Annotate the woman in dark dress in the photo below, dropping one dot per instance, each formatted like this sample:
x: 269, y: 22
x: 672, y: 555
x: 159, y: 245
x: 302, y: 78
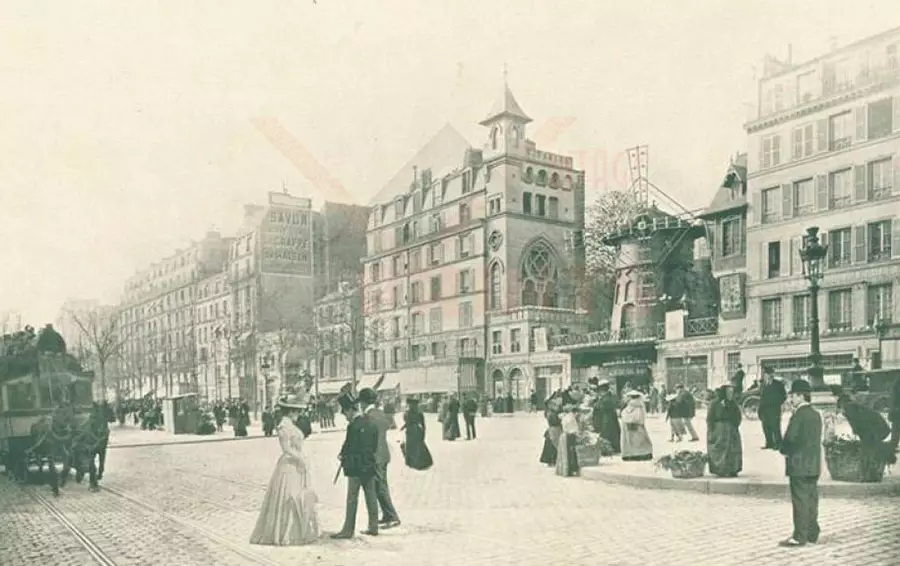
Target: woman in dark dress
x: 552, y: 434
x: 415, y: 451
x: 723, y: 435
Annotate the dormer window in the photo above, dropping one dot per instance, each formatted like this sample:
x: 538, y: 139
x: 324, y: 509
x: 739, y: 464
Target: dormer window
x: 399, y: 206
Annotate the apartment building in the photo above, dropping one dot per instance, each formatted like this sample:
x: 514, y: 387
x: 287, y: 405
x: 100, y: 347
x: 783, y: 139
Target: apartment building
x: 340, y: 322
x: 460, y: 238
x: 824, y: 151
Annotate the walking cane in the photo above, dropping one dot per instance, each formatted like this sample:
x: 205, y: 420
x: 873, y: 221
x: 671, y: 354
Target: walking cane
x: 337, y: 473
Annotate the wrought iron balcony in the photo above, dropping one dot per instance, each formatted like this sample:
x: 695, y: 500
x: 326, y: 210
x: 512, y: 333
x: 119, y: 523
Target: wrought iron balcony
x: 701, y: 326
x: 623, y: 335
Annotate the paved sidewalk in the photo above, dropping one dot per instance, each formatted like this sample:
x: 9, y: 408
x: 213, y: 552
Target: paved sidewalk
x: 130, y: 436
x: 763, y: 473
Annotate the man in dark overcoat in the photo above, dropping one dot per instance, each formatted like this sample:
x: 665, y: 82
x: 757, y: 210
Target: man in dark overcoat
x: 802, y: 449
x: 605, y: 416
x: 771, y: 397
x: 357, y: 458
x: 368, y: 401
x: 470, y: 409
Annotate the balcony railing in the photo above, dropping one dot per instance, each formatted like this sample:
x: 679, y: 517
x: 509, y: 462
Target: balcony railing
x: 701, y: 326
x: 624, y: 335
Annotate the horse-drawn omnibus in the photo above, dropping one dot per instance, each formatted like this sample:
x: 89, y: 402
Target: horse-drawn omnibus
x: 38, y: 391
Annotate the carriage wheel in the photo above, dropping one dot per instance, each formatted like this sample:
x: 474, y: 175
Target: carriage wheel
x: 750, y: 408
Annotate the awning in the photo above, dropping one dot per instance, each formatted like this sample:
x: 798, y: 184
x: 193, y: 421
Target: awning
x: 331, y: 387
x: 431, y: 379
x: 391, y: 382
x: 370, y: 381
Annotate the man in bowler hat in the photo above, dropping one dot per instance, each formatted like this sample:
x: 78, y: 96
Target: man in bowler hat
x: 802, y: 449
x: 368, y: 401
x: 358, y: 461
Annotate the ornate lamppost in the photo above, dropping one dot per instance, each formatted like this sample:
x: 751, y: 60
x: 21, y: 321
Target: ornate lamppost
x: 813, y: 255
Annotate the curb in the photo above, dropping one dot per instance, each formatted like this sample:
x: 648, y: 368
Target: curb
x: 203, y: 441
x: 761, y: 489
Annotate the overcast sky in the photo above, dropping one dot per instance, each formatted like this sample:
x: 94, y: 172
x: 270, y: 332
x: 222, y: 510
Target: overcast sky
x: 127, y: 128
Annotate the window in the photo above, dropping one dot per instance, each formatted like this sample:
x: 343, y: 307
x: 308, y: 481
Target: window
x: 771, y: 205
x: 771, y: 313
x: 465, y: 315
x: 880, y: 119
x: 839, y: 248
x: 465, y: 347
x: 496, y: 342
x: 496, y: 301
x: 395, y: 296
x: 494, y: 206
x: 526, y: 203
x: 399, y: 205
x: 804, y: 197
x: 553, y: 207
x: 541, y: 178
x: 891, y: 55
x: 436, y: 288
x: 395, y: 327
x: 843, y: 74
x: 805, y: 87
x: 731, y: 238
x: 879, y: 241
x: 840, y: 184
x: 802, y: 142
x: 438, y: 350
x: 376, y: 272
x: 418, y: 324
x: 434, y: 223
x: 770, y: 155
x: 415, y: 352
x: 515, y: 340
x: 879, y: 304
x: 397, y: 266
x: 396, y: 356
x: 801, y: 314
x: 541, y: 205
x: 839, y: 310
x: 528, y: 177
x: 774, y: 260
x: 880, y: 179
x: 466, y: 281
x: 464, y: 245
x: 415, y: 292
x: 415, y: 261
x: 435, y: 253
x: 435, y: 320
x: 466, y: 182
x: 554, y: 181
x: 840, y: 127
x: 539, y: 277
x: 464, y: 213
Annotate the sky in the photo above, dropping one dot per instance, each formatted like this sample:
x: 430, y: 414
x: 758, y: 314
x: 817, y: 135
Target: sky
x: 127, y: 129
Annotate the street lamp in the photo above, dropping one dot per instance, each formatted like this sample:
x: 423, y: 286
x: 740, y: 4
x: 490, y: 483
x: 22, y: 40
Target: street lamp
x: 813, y: 255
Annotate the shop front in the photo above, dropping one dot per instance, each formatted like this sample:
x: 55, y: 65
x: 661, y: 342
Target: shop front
x: 621, y: 361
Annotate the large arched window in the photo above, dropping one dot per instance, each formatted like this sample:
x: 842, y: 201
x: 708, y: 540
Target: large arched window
x: 529, y: 175
x: 628, y: 319
x: 495, y: 136
x: 627, y: 298
x: 496, y: 299
x: 539, y: 276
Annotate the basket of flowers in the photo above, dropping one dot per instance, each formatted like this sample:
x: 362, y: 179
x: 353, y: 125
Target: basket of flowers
x: 590, y: 447
x: 684, y: 464
x: 206, y: 424
x: 850, y: 460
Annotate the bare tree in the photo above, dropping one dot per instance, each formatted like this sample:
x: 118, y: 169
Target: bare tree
x: 103, y: 336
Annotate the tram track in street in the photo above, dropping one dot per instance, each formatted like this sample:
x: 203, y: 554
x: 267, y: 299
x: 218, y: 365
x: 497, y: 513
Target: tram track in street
x: 97, y: 553
x: 206, y: 533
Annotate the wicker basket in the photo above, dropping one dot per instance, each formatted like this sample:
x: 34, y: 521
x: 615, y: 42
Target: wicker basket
x: 864, y: 465
x: 587, y: 455
x: 693, y: 470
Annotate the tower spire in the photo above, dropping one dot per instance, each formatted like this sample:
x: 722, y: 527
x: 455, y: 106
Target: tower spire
x: 505, y: 75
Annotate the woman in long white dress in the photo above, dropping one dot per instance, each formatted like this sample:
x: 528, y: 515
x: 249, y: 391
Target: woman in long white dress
x: 288, y: 515
x: 636, y: 445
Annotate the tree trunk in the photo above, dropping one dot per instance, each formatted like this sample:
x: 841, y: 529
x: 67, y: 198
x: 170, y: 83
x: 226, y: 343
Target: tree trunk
x: 102, y: 364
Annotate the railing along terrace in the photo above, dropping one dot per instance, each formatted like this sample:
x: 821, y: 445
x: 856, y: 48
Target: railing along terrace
x: 633, y: 334
x: 701, y: 326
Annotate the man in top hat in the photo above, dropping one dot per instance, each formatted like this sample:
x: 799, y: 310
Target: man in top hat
x: 368, y: 401
x: 802, y: 449
x: 358, y: 462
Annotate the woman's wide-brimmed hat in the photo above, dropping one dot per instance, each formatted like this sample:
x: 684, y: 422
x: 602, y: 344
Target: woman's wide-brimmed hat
x: 291, y: 402
x: 671, y: 397
x: 634, y: 393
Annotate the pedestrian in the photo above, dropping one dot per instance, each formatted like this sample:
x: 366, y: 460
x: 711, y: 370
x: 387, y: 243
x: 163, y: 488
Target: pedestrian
x: 636, y: 445
x: 368, y: 402
x: 549, y: 452
x: 687, y: 409
x: 676, y: 424
x: 357, y: 459
x: 567, y: 456
x: 894, y: 414
x: 287, y: 516
x: 771, y: 397
x: 451, y: 419
x: 723, y: 434
x: 605, y: 417
x: 532, y: 401
x: 470, y: 408
x: 737, y: 381
x: 415, y: 452
x: 802, y: 448
x: 268, y: 421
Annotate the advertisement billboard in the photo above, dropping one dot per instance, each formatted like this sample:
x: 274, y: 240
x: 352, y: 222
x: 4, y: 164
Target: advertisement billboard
x: 286, y: 240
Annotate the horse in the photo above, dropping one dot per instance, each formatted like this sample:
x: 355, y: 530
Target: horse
x: 51, y: 438
x: 90, y: 442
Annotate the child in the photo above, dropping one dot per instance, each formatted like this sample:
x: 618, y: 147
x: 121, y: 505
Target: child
x: 675, y: 423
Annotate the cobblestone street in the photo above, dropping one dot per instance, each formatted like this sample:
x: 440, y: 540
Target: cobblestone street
x: 485, y: 502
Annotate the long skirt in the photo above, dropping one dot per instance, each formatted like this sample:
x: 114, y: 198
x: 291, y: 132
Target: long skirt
x: 567, y: 458
x: 451, y: 427
x: 725, y: 450
x: 287, y: 516
x: 549, y: 451
x: 636, y: 445
x: 415, y: 452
